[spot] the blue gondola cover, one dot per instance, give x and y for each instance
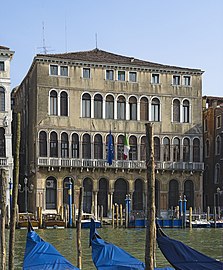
(107, 256)
(183, 257)
(41, 255)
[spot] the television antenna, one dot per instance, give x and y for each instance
(44, 48)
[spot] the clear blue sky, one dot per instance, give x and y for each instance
(185, 33)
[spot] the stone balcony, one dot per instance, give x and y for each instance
(117, 164)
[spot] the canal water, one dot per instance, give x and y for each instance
(208, 241)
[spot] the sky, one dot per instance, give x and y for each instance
(185, 33)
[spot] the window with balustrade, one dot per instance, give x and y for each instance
(133, 148)
(186, 150)
(42, 144)
(176, 150)
(53, 144)
(75, 145)
(86, 147)
(98, 147)
(196, 150)
(166, 149)
(64, 145)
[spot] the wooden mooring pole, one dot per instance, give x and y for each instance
(150, 228)
(79, 248)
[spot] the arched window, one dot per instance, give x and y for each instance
(109, 107)
(64, 145)
(2, 142)
(143, 148)
(166, 149)
(218, 145)
(186, 111)
(103, 195)
(155, 110)
(51, 193)
(75, 146)
(120, 147)
(176, 149)
(120, 191)
(2, 99)
(173, 193)
(121, 108)
(86, 146)
(144, 109)
(86, 105)
(138, 195)
(186, 150)
(66, 190)
(98, 147)
(112, 148)
(196, 150)
(133, 148)
(63, 104)
(176, 110)
(133, 108)
(156, 149)
(53, 103)
(42, 144)
(53, 144)
(189, 193)
(98, 106)
(217, 174)
(87, 196)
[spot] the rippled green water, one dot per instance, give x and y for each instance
(208, 241)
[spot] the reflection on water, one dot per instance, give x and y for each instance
(208, 241)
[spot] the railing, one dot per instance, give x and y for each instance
(3, 161)
(117, 164)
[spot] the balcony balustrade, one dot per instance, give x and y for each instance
(3, 161)
(118, 164)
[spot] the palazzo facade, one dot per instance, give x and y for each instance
(6, 158)
(70, 102)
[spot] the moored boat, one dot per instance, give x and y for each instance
(53, 221)
(216, 224)
(86, 221)
(41, 255)
(23, 218)
(199, 221)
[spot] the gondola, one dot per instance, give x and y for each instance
(107, 256)
(183, 257)
(41, 255)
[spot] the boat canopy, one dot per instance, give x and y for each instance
(107, 256)
(41, 255)
(183, 257)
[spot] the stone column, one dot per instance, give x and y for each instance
(95, 203)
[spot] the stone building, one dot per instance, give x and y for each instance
(70, 102)
(6, 159)
(213, 151)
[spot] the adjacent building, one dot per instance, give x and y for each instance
(70, 102)
(213, 151)
(6, 158)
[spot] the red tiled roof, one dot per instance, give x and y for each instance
(101, 56)
(3, 48)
